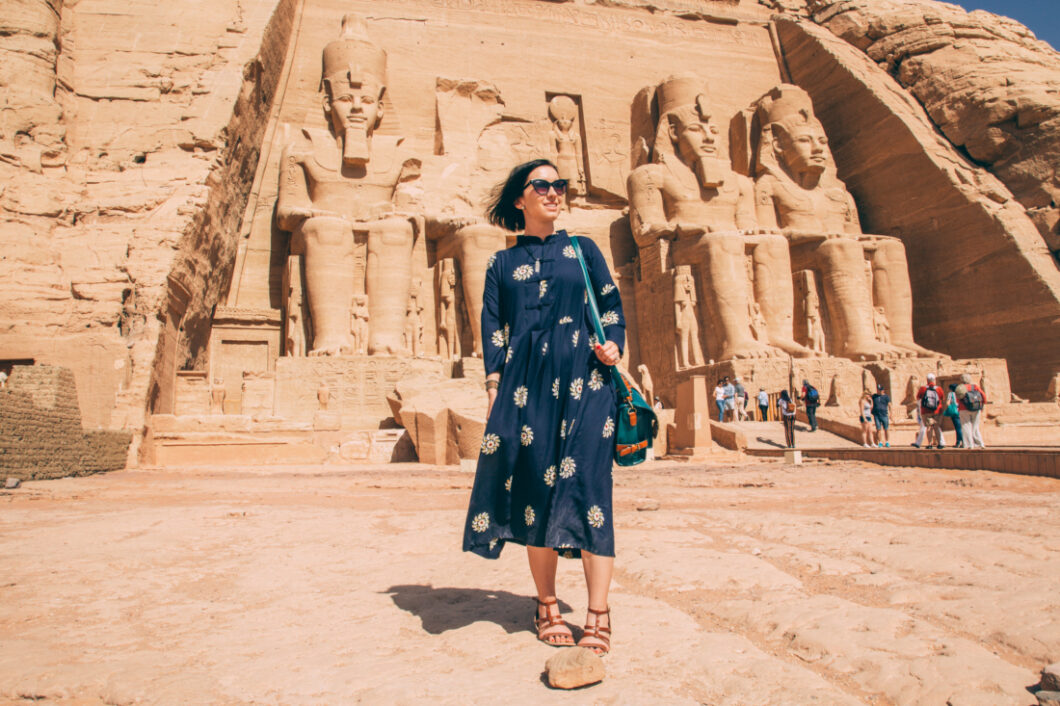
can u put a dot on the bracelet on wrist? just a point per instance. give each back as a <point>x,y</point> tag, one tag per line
<point>493,385</point>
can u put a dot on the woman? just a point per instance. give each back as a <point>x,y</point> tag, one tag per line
<point>787,416</point>
<point>544,473</point>
<point>867,424</point>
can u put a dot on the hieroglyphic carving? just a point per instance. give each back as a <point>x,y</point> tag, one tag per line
<point>881,325</point>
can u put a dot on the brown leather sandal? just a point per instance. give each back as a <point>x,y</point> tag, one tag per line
<point>599,632</point>
<point>556,638</point>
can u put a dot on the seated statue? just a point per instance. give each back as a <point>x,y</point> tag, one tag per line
<point>796,190</point>
<point>690,194</point>
<point>340,186</point>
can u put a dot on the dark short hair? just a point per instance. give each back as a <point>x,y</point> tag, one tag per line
<point>500,206</point>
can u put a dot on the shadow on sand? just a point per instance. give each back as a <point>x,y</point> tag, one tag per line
<point>442,609</point>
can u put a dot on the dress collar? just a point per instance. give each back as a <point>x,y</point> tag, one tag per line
<point>533,240</point>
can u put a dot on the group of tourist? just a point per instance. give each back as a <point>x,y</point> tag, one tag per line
<point>962,404</point>
<point>731,399</point>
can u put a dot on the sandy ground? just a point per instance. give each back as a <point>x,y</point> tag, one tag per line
<point>755,583</point>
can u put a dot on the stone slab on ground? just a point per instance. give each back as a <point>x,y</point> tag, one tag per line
<point>830,583</point>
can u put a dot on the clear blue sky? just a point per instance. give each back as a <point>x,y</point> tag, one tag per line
<point>1042,16</point>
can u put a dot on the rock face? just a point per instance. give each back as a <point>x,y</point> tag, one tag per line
<point>210,210</point>
<point>985,80</point>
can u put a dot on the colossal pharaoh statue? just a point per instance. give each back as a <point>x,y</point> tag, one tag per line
<point>340,190</point>
<point>690,194</point>
<point>796,190</point>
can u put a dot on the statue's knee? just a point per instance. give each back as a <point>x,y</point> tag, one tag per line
<point>841,249</point>
<point>392,231</point>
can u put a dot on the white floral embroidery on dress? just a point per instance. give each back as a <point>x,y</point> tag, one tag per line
<point>544,348</point>
<point>574,338</point>
<point>542,287</point>
<point>566,320</point>
<point>527,436</point>
<point>507,335</point>
<point>508,484</point>
<point>596,380</point>
<point>555,388</point>
<point>489,262</point>
<point>576,388</point>
<point>609,318</point>
<point>569,252</point>
<point>493,543</point>
<point>497,338</point>
<point>593,341</point>
<point>522,273</point>
<point>567,467</point>
<point>508,358</point>
<point>606,289</point>
<point>609,428</point>
<point>481,523</point>
<point>490,443</point>
<point>529,516</point>
<point>563,429</point>
<point>596,516</point>
<point>550,475</point>
<point>519,396</point>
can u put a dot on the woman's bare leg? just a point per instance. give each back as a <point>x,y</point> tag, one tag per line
<point>543,562</point>
<point>598,572</point>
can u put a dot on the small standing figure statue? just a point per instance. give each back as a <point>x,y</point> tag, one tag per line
<point>646,384</point>
<point>448,335</point>
<point>323,395</point>
<point>814,327</point>
<point>882,326</point>
<point>217,396</point>
<point>564,114</point>
<point>689,353</point>
<point>758,322</point>
<point>359,323</point>
<point>414,322</point>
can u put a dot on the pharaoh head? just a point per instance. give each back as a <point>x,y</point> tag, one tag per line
<point>687,129</point>
<point>354,79</point>
<point>563,110</point>
<point>792,138</point>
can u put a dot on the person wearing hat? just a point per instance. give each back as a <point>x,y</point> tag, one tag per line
<point>763,404</point>
<point>930,403</point>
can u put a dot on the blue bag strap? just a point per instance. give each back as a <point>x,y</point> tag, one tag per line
<point>616,376</point>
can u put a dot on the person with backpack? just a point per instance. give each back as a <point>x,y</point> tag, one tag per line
<point>881,411</point>
<point>970,402</point>
<point>931,405</point>
<point>786,407</point>
<point>812,399</point>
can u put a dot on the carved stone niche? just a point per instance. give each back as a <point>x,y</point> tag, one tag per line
<point>243,341</point>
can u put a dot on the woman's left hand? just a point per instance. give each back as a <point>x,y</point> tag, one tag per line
<point>608,353</point>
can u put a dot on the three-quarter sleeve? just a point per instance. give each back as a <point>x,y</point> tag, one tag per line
<point>608,300</point>
<point>495,332</point>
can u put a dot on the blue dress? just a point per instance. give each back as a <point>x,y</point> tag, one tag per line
<point>544,471</point>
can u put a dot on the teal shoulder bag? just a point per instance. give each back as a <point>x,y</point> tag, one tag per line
<point>636,425</point>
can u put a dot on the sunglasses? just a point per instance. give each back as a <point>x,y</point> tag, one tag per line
<point>541,186</point>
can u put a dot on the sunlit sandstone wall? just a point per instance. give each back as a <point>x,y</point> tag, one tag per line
<point>122,163</point>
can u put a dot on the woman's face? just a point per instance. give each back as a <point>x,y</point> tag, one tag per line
<point>536,208</point>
